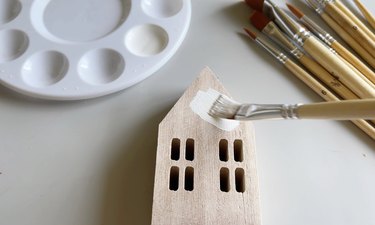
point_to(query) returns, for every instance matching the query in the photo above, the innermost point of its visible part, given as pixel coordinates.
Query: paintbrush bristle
(259, 20)
(255, 4)
(224, 107)
(250, 33)
(298, 13)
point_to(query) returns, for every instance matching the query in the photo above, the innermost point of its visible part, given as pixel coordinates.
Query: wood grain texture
(206, 203)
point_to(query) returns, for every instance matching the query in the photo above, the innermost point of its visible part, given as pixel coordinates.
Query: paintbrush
(332, 42)
(255, 4)
(324, 56)
(348, 25)
(353, 17)
(265, 8)
(305, 77)
(342, 33)
(226, 108)
(298, 71)
(366, 13)
(265, 25)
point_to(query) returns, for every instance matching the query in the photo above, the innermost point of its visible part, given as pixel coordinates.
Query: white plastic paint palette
(69, 49)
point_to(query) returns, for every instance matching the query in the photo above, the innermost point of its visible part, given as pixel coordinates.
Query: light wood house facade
(204, 175)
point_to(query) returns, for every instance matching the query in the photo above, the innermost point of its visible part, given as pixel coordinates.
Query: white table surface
(92, 162)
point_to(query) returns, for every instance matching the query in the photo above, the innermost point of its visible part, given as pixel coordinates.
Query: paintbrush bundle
(331, 70)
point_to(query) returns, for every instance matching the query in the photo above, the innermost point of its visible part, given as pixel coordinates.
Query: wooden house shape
(203, 174)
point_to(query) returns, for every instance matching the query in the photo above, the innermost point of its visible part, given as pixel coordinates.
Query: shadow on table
(129, 183)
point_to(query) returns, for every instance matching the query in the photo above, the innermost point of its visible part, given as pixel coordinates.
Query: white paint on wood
(203, 174)
(202, 103)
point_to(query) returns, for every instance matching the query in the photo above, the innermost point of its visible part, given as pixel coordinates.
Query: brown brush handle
(327, 78)
(352, 28)
(348, 56)
(339, 110)
(349, 40)
(338, 68)
(325, 93)
(354, 18)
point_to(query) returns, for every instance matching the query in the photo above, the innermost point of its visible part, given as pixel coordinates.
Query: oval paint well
(45, 68)
(162, 8)
(13, 43)
(9, 10)
(101, 66)
(146, 40)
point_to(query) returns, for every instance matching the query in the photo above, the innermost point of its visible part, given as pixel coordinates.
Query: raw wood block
(204, 175)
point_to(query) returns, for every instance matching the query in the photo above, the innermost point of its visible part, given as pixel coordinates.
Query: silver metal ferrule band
(322, 3)
(282, 58)
(273, 31)
(312, 4)
(272, 50)
(301, 36)
(327, 38)
(297, 53)
(318, 31)
(267, 111)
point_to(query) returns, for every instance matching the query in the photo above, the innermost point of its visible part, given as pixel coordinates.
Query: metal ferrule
(324, 3)
(297, 53)
(290, 26)
(276, 34)
(317, 30)
(315, 6)
(267, 111)
(301, 36)
(327, 46)
(272, 49)
(282, 20)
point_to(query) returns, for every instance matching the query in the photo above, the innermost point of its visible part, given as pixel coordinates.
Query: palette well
(70, 50)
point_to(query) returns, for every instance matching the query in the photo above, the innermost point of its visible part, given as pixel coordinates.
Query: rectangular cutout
(175, 149)
(238, 150)
(223, 150)
(173, 178)
(240, 180)
(189, 178)
(224, 180)
(189, 150)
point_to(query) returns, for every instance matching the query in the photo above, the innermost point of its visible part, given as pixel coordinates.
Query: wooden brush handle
(338, 68)
(348, 56)
(339, 110)
(309, 80)
(354, 18)
(349, 40)
(352, 28)
(359, 74)
(366, 13)
(327, 78)
(325, 93)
